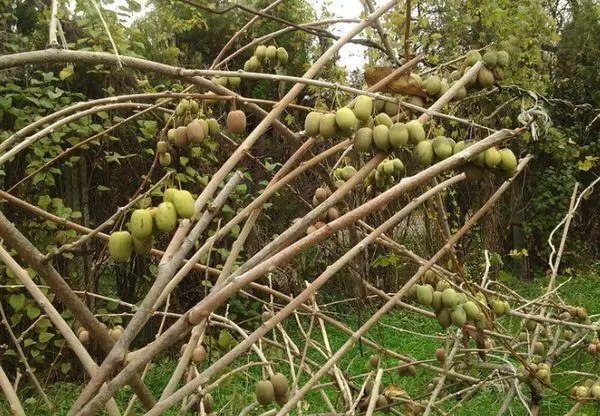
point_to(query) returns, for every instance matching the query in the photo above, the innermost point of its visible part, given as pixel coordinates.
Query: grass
(237, 391)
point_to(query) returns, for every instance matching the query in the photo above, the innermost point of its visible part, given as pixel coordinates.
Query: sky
(351, 55)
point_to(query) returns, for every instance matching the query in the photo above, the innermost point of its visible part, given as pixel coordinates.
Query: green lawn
(237, 391)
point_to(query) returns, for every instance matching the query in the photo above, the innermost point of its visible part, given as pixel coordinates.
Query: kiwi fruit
(436, 302)
(363, 139)
(321, 194)
(345, 118)
(280, 384)
(458, 316)
(332, 214)
(443, 317)
(208, 402)
(363, 107)
(165, 217)
(425, 294)
(449, 298)
(390, 108)
(213, 127)
(271, 53)
(471, 309)
(416, 132)
(234, 81)
(398, 165)
(198, 354)
(260, 52)
(374, 360)
(141, 223)
(311, 123)
(252, 64)
(508, 160)
(398, 135)
(327, 126)
(120, 246)
(433, 85)
(503, 59)
(265, 393)
(162, 147)
(490, 59)
(236, 121)
(181, 138)
(485, 78)
(381, 402)
(381, 137)
(492, 157)
(282, 55)
(383, 119)
(472, 57)
(442, 147)
(348, 172)
(184, 204)
(423, 153)
(83, 336)
(440, 355)
(169, 194)
(143, 245)
(171, 133)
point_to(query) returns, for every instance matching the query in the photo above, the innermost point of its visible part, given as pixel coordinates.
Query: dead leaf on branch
(402, 84)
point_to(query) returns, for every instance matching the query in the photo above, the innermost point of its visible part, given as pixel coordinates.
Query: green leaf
(102, 188)
(66, 72)
(65, 367)
(5, 102)
(45, 337)
(32, 312)
(44, 201)
(28, 341)
(17, 301)
(224, 338)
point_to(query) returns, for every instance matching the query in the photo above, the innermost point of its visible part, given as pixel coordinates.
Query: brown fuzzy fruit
(84, 336)
(332, 214)
(198, 354)
(264, 392)
(374, 360)
(440, 355)
(381, 401)
(209, 402)
(236, 121)
(181, 138)
(321, 194)
(164, 159)
(280, 385)
(195, 131)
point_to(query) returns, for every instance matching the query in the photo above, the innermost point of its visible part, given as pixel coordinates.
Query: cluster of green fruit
(576, 312)
(191, 128)
(144, 222)
(541, 372)
(232, 82)
(500, 307)
(266, 56)
(590, 389)
(494, 63)
(384, 176)
(275, 388)
(450, 306)
(332, 214)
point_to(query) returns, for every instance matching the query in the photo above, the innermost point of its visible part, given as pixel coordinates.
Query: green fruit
(327, 126)
(423, 153)
(383, 119)
(144, 245)
(472, 79)
(141, 223)
(508, 160)
(490, 59)
(374, 360)
(471, 309)
(538, 347)
(425, 294)
(363, 107)
(379, 105)
(443, 318)
(213, 127)
(444, 87)
(280, 384)
(416, 132)
(485, 78)
(236, 121)
(416, 77)
(442, 147)
(449, 298)
(381, 137)
(171, 134)
(443, 285)
(363, 139)
(498, 74)
(595, 390)
(503, 59)
(183, 106)
(282, 55)
(416, 100)
(181, 139)
(398, 135)
(260, 52)
(391, 109)
(492, 157)
(472, 57)
(455, 75)
(120, 246)
(222, 81)
(433, 85)
(169, 194)
(164, 159)
(498, 307)
(165, 217)
(458, 316)
(436, 303)
(184, 204)
(195, 131)
(271, 54)
(388, 167)
(234, 81)
(252, 64)
(345, 118)
(478, 159)
(582, 392)
(398, 165)
(265, 392)
(381, 402)
(162, 147)
(348, 172)
(461, 93)
(311, 123)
